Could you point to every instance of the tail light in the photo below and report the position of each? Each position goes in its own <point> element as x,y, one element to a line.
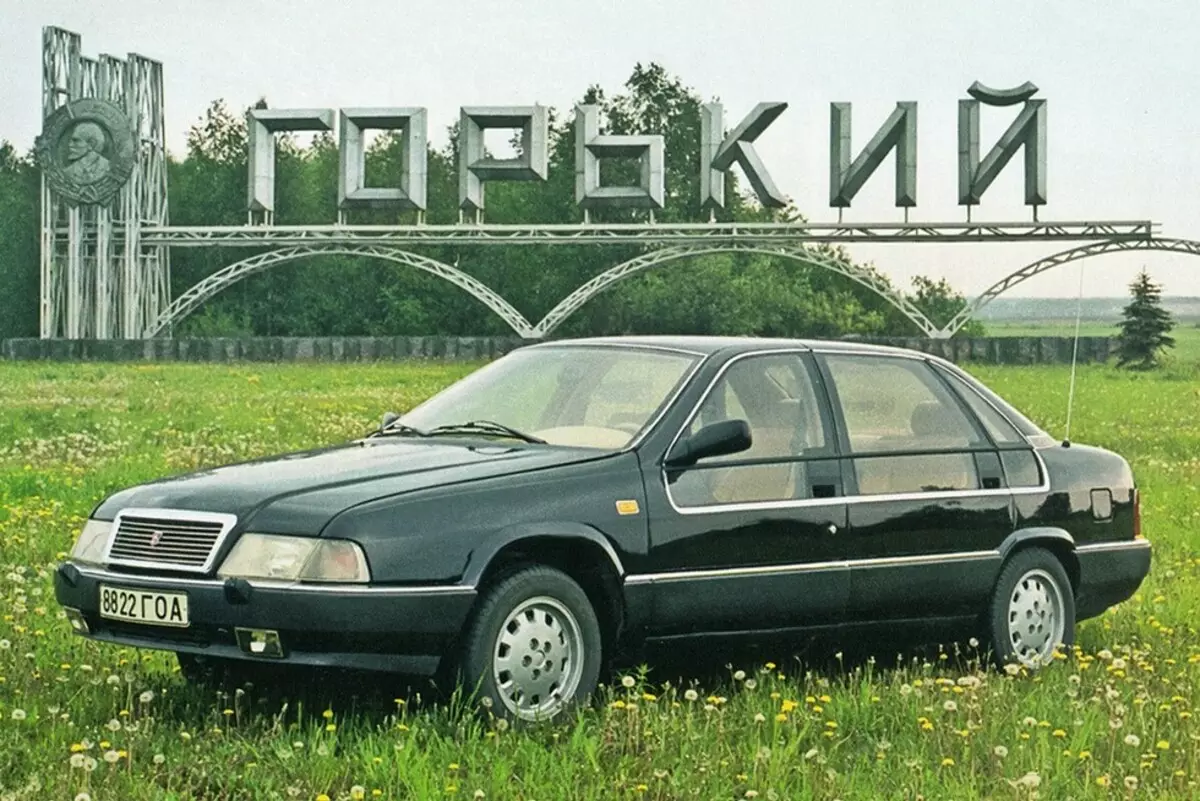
<point>1137,514</point>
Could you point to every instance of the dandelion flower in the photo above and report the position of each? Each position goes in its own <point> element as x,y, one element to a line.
<point>739,675</point>
<point>947,762</point>
<point>1131,783</point>
<point>146,697</point>
<point>950,706</point>
<point>760,718</point>
<point>1000,751</point>
<point>18,714</point>
<point>77,760</point>
<point>628,681</point>
<point>358,792</point>
<point>83,797</point>
<point>1030,780</point>
<point>111,756</point>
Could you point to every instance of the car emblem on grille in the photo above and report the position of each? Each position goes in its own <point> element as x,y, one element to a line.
<point>155,538</point>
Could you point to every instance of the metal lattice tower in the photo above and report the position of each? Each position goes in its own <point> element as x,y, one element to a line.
<point>98,279</point>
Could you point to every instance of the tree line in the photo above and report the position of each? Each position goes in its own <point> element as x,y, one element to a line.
<point>729,293</point>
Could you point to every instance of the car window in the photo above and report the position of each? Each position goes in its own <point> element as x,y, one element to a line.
<point>774,394</point>
<point>592,397</point>
<point>926,472</point>
<point>897,404</point>
<point>1021,468</point>
<point>999,429</point>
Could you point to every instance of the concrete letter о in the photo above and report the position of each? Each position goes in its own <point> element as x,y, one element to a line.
<point>353,192</point>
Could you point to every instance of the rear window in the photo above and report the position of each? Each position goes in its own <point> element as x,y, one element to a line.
<point>1023,424</point>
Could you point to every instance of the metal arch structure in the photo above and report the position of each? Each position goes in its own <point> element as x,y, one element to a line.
<point>1187,246</point>
<point>187,303</point>
<point>795,252</point>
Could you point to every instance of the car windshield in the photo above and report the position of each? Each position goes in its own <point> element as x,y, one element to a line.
<point>590,397</point>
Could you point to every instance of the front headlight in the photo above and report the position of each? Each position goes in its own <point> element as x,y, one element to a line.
<point>89,547</point>
<point>279,558</point>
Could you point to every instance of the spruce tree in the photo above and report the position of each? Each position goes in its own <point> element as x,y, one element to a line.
<point>1144,329</point>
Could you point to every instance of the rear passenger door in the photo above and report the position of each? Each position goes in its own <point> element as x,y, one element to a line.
<point>927,502</point>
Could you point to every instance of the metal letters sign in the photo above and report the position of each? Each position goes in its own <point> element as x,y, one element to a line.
<point>719,152</point>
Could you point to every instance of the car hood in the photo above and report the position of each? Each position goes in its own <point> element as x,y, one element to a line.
<point>300,492</point>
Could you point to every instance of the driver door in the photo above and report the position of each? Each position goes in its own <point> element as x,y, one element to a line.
<point>753,540</point>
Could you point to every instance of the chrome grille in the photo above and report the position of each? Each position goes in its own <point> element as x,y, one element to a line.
<point>168,538</point>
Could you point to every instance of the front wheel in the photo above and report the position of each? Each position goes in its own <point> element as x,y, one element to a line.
<point>533,647</point>
<point>1033,609</point>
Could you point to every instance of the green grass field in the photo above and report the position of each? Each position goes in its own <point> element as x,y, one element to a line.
<point>1113,719</point>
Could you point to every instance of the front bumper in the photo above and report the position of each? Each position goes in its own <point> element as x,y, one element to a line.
<point>394,629</point>
<point>1109,573</point>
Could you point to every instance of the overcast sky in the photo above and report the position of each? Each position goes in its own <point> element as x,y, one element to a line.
<point>1119,78</point>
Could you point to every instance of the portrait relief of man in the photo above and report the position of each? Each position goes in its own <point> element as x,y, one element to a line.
<point>85,160</point>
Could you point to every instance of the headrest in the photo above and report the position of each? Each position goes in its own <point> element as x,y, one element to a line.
<point>930,419</point>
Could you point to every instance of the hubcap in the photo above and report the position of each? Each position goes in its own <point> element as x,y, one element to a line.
<point>538,659</point>
<point>1035,618</point>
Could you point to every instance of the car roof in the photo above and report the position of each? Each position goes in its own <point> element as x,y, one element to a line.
<point>708,345</point>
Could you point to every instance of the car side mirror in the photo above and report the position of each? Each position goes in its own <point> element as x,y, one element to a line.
<point>717,439</point>
<point>388,419</point>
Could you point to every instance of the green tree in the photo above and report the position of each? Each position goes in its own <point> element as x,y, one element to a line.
<point>20,187</point>
<point>1145,326</point>
<point>940,302</point>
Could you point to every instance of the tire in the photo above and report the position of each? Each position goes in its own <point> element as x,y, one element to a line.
<point>533,647</point>
<point>1033,590</point>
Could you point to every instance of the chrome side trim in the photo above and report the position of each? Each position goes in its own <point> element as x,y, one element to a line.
<point>809,567</point>
<point>227,522</point>
<point>167,582</point>
<point>1119,545</point>
<point>854,499</point>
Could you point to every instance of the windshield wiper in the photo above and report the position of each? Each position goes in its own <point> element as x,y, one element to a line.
<point>396,428</point>
<point>484,427</point>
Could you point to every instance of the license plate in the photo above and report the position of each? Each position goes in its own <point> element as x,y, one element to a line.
<point>144,606</point>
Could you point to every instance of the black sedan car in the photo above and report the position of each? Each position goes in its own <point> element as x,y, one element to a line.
<point>578,497</point>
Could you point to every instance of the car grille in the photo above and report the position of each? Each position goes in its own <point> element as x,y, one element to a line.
<point>176,540</point>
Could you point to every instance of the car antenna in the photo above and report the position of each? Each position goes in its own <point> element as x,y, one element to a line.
<point>1074,357</point>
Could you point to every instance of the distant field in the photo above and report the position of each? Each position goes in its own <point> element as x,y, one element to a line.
<point>1186,334</point>
<point>1114,719</point>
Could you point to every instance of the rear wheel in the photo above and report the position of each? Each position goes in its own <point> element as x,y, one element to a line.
<point>533,647</point>
<point>1033,609</point>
